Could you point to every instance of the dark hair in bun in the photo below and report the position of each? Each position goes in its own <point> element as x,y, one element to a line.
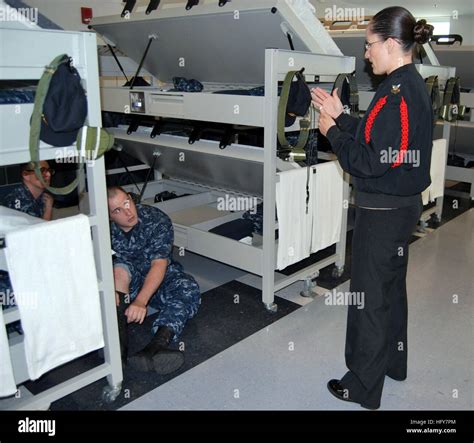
<point>422,32</point>
<point>398,23</point>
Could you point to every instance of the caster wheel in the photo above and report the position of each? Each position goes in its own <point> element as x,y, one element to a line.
<point>110,393</point>
<point>436,221</point>
<point>271,307</point>
<point>337,272</point>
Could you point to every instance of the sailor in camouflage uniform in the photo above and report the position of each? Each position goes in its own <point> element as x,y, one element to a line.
<point>146,274</point>
<point>29,197</point>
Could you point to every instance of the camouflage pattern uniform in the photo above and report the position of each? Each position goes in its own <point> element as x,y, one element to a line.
<point>22,200</point>
<point>178,297</point>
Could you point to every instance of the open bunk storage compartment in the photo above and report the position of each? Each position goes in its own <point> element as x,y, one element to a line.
<point>226,50</point>
<point>37,49</point>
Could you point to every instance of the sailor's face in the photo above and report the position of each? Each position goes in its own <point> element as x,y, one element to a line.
<point>29,176</point>
<point>122,211</point>
<point>376,52</point>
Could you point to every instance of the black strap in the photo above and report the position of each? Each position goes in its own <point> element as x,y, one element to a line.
<point>117,61</point>
<point>432,87</point>
<point>150,39</point>
<point>152,6</point>
<point>305,122</point>
<point>451,109</point>
<point>129,5</point>
<point>191,3</point>
<point>349,81</point>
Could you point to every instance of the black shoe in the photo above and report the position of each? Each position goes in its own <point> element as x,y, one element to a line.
<point>156,356</point>
<point>336,389</point>
<point>163,362</point>
<point>397,378</point>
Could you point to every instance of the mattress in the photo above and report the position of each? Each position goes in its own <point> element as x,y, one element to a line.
<point>17,92</point>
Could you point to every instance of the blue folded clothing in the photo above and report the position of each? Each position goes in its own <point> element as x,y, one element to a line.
<point>235,229</point>
<point>182,84</point>
<point>16,96</point>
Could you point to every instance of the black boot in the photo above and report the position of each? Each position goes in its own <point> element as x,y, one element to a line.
<point>122,326</point>
<point>156,356</point>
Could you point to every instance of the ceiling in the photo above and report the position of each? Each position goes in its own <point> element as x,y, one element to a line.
<point>420,8</point>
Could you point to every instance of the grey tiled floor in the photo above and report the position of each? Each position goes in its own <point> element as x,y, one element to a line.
<point>286,365</point>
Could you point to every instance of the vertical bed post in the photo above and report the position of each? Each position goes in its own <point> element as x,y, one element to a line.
<point>99,220</point>
<point>440,200</point>
<point>269,178</point>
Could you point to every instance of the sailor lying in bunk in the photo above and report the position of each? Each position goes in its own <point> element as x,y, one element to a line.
<point>28,197</point>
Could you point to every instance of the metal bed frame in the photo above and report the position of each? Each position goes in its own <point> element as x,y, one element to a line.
<point>40,47</point>
<point>258,260</point>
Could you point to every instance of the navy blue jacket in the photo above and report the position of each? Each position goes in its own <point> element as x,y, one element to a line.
<point>388,151</point>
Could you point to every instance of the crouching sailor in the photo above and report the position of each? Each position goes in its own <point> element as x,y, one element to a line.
<point>146,274</point>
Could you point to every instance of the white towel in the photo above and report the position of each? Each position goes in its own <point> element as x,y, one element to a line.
<point>294,225</point>
<point>437,171</point>
<point>7,380</point>
<point>327,197</point>
<point>53,275</point>
<point>11,219</point>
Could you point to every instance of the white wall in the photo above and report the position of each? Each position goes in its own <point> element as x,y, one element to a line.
<point>464,25</point>
<point>67,13</point>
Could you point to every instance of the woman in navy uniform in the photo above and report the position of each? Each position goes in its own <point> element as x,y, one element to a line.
<point>388,154</point>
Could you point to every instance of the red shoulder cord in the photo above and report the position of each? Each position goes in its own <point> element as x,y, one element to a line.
<point>403,124</point>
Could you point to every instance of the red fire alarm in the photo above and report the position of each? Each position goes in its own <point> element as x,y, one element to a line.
<point>86,15</point>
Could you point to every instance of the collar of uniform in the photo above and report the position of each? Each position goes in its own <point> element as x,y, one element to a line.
<point>405,68</point>
<point>30,195</point>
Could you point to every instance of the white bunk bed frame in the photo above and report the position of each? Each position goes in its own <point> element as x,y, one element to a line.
<point>258,260</point>
<point>39,48</point>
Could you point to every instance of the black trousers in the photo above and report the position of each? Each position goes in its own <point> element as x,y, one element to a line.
<point>376,337</point>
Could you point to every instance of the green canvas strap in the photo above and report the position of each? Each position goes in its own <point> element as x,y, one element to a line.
<point>432,88</point>
<point>353,91</point>
<point>354,95</point>
<point>305,123</point>
<point>35,128</point>
<point>451,109</point>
